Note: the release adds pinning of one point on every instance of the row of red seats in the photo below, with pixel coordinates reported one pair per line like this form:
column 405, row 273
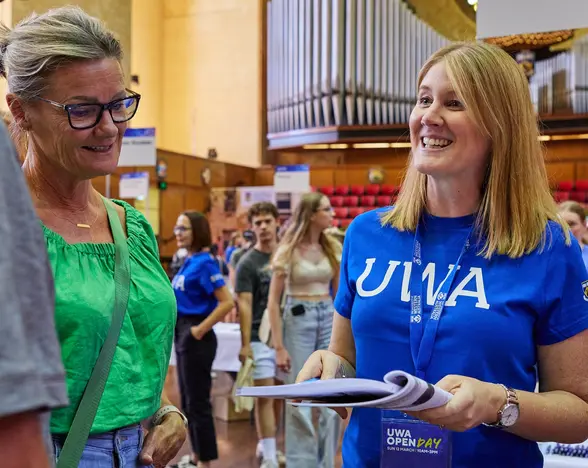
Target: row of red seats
column 364, row 200
column 576, row 190
column 572, row 185
column 344, row 212
column 358, row 190
column 580, row 197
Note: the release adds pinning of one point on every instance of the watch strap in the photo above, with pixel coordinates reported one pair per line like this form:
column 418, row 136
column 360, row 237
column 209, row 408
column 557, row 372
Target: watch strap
column 165, row 410
column 511, row 399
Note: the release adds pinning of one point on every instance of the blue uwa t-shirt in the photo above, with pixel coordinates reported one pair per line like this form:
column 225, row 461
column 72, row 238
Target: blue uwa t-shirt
column 497, row 313
column 195, row 283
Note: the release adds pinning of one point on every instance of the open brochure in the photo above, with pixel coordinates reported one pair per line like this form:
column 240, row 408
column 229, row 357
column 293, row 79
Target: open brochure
column 398, row 391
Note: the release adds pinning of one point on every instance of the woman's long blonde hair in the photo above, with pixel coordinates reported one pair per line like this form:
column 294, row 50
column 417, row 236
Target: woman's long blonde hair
column 516, row 201
column 298, row 228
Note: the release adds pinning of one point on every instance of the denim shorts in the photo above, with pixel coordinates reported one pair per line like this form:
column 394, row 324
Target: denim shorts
column 264, row 359
column 115, row 449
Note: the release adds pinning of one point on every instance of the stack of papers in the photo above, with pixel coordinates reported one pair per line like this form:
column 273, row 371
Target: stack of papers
column 398, row 391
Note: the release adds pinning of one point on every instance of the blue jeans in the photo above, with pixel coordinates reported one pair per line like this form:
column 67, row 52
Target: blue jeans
column 115, row 449
column 304, row 334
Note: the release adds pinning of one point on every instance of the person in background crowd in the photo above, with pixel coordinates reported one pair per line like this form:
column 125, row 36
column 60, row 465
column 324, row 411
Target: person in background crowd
column 471, row 281
column 574, row 215
column 248, row 243
column 176, row 263
column 234, row 244
column 253, row 281
column 305, row 267
column 67, row 96
column 336, row 233
column 32, row 378
column 224, row 269
column 203, row 300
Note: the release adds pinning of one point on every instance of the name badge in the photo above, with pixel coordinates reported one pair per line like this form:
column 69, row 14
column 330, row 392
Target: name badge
column 410, row 443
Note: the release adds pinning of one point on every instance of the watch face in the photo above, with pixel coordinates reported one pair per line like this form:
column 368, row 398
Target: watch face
column 510, row 415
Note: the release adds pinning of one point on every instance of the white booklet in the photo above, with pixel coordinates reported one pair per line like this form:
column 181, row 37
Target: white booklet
column 398, row 391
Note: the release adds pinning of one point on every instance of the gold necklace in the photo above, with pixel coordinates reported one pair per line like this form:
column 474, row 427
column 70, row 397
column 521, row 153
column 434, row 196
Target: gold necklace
column 79, row 225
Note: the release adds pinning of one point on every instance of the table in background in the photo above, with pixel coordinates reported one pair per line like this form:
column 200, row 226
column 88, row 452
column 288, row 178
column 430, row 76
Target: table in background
column 228, row 336
column 559, row 461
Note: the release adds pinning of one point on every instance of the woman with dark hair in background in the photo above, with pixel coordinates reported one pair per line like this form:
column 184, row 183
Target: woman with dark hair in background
column 203, row 300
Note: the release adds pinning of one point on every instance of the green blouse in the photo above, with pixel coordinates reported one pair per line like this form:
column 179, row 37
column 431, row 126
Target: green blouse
column 84, row 299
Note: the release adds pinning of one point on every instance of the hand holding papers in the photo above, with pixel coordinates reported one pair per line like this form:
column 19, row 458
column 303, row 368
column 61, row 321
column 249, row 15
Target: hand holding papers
column 398, row 391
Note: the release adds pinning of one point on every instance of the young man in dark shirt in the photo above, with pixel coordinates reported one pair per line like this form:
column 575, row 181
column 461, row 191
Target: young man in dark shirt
column 252, row 288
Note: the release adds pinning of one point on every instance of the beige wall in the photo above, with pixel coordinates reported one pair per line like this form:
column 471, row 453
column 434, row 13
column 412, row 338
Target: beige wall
column 146, row 62
column 211, row 79
column 115, row 13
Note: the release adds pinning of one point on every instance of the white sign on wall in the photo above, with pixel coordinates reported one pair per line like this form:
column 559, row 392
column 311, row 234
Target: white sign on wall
column 294, row 178
column 251, row 195
column 495, row 18
column 138, row 148
column 134, row 185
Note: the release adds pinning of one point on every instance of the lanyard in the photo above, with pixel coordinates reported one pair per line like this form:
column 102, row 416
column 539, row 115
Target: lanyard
column 422, row 339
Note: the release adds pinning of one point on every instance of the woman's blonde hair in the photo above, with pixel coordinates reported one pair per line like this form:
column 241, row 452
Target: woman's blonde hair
column 40, row 44
column 297, row 229
column 516, row 202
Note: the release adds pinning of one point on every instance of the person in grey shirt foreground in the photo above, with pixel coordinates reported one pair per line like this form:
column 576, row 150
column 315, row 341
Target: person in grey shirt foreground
column 32, row 378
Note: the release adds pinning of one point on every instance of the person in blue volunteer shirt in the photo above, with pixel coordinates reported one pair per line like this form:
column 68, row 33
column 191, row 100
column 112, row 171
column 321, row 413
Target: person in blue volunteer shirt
column 203, row 299
column 514, row 313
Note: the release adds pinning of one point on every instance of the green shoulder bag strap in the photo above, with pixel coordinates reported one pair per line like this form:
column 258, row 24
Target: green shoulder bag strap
column 84, row 418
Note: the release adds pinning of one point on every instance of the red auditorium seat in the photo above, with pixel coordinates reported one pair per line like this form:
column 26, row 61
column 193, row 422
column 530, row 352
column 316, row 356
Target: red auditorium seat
column 582, row 185
column 368, row 200
column 336, row 222
column 345, row 223
column 336, row 201
column 351, row 201
column 561, row 196
column 342, row 190
column 383, row 200
column 372, row 190
column 341, row 212
column 357, row 190
column 565, row 186
column 353, row 212
column 327, row 190
column 388, row 190
column 578, row 196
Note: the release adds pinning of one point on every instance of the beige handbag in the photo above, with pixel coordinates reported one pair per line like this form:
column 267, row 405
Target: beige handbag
column 244, row 379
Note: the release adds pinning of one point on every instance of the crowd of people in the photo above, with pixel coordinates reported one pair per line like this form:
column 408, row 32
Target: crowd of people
column 475, row 280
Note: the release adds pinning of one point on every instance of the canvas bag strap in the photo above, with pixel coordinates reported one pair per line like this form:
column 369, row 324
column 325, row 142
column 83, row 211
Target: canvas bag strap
column 84, row 418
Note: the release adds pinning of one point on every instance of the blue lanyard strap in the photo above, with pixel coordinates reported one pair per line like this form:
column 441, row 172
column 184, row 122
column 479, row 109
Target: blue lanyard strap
column 422, row 338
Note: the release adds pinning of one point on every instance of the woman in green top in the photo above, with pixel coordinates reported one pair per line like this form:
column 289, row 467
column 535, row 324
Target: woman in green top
column 70, row 108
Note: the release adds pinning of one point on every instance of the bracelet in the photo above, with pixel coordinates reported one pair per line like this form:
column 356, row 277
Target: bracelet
column 163, row 411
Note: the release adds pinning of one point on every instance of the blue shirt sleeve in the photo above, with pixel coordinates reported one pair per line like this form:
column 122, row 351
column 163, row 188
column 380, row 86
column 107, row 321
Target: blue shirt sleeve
column 211, row 277
column 565, row 311
column 346, row 291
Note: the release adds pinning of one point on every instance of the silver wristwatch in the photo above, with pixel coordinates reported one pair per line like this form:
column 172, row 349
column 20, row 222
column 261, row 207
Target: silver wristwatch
column 509, row 414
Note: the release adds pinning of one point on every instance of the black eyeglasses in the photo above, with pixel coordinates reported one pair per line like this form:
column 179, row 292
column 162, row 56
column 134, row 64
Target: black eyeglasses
column 84, row 116
column 181, row 229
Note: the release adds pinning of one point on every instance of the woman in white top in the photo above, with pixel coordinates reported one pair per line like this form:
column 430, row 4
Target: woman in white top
column 306, row 269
